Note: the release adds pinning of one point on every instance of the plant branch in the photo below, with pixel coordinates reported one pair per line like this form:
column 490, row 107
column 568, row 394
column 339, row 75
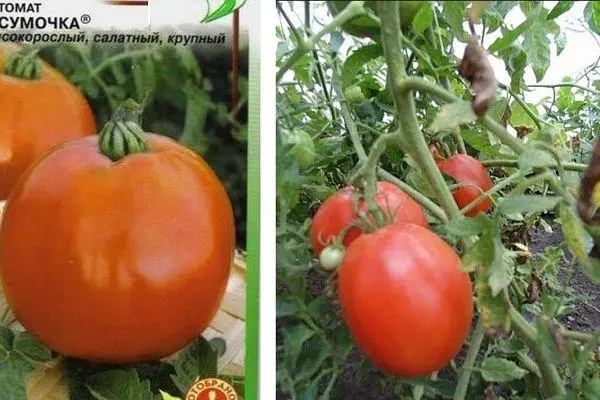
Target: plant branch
column 589, row 347
column 416, row 145
column 551, row 380
column 352, row 10
column 496, row 188
column 566, row 84
column 569, row 166
column 433, row 208
column 470, row 359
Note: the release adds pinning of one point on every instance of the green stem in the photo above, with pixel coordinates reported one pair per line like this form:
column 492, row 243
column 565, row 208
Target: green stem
column 551, row 380
column 575, row 335
column 529, row 364
column 417, row 196
column 415, row 142
column 466, row 370
column 524, row 105
column 569, row 166
column 370, row 163
column 123, row 135
column 119, row 57
column 496, row 188
column 23, row 64
column 589, row 347
column 4, row 314
column 352, row 10
column 566, row 84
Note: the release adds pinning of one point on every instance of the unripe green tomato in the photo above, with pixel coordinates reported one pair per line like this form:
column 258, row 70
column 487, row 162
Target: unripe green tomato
column 303, row 149
column 331, row 257
column 354, row 95
column 364, row 26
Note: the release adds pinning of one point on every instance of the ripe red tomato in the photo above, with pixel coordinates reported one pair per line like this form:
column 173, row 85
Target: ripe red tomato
column 117, row 262
column 405, row 299
column 337, row 212
column 465, row 169
column 36, row 114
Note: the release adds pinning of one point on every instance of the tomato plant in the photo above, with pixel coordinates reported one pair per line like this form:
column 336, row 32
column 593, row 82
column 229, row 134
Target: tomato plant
column 40, row 109
column 337, row 213
column 466, row 77
column 414, row 270
column 473, row 180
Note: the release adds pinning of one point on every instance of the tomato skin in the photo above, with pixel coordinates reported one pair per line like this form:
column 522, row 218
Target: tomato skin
column 405, row 299
column 331, row 258
column 337, row 212
column 466, row 169
column 117, row 262
column 36, row 115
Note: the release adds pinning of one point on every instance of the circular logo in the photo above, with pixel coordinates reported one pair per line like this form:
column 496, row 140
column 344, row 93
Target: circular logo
column 211, row 389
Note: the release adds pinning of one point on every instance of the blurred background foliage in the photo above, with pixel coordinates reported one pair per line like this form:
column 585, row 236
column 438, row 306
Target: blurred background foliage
column 187, row 93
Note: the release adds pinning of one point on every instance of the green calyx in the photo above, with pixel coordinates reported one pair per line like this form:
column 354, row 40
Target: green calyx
column 23, row 65
column 123, row 134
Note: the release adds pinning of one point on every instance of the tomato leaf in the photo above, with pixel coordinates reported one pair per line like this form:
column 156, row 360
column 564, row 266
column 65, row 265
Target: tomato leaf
column 294, row 337
column 455, row 13
column 591, row 389
column 591, row 13
column 197, row 361
column 423, row 19
column 510, row 36
column 167, row 396
column 560, row 8
column 480, row 255
column 119, row 385
column 537, row 47
column 452, row 115
column 31, row 349
column 574, row 232
column 494, row 369
column 469, row 226
column 535, row 158
column 525, row 203
column 7, row 338
column 357, row 60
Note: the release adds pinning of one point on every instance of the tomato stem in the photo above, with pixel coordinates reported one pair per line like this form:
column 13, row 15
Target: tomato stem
column 23, row 65
column 123, row 135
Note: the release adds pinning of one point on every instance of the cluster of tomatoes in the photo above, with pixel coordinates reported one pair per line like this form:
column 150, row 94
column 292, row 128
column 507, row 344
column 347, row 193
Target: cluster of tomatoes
column 109, row 260
column 402, row 292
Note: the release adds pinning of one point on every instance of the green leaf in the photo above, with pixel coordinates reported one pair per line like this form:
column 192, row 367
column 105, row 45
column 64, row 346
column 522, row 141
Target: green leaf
column 452, row 115
column 591, row 13
column 480, row 255
column 561, row 42
column 522, row 203
column 6, row 339
column 565, row 98
column 294, row 338
column 497, row 109
column 336, row 40
column 167, row 396
column 30, row 348
column 469, row 226
column 537, row 47
column 357, row 60
column 455, row 13
column 591, row 389
column 13, row 372
column 510, row 36
column 423, row 19
column 500, row 270
column 535, row 158
column 285, row 307
column 573, row 231
column 119, row 385
column 520, row 119
column 197, row 361
column 494, row 369
column 560, row 8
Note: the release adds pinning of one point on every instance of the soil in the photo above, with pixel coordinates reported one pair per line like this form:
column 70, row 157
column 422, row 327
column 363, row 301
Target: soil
column 586, row 318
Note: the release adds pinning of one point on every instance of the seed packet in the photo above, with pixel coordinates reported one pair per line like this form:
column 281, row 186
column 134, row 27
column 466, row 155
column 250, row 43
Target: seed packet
column 126, row 144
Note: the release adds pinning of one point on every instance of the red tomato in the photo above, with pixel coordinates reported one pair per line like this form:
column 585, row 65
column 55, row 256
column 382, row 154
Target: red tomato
column 465, row 169
column 405, row 299
column 337, row 212
column 117, row 262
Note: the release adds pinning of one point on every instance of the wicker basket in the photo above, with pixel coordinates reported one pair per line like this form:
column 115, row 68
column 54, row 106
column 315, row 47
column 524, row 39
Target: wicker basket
column 229, row 325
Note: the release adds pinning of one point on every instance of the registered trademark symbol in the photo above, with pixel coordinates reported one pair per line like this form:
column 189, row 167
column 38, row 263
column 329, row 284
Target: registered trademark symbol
column 85, row 18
